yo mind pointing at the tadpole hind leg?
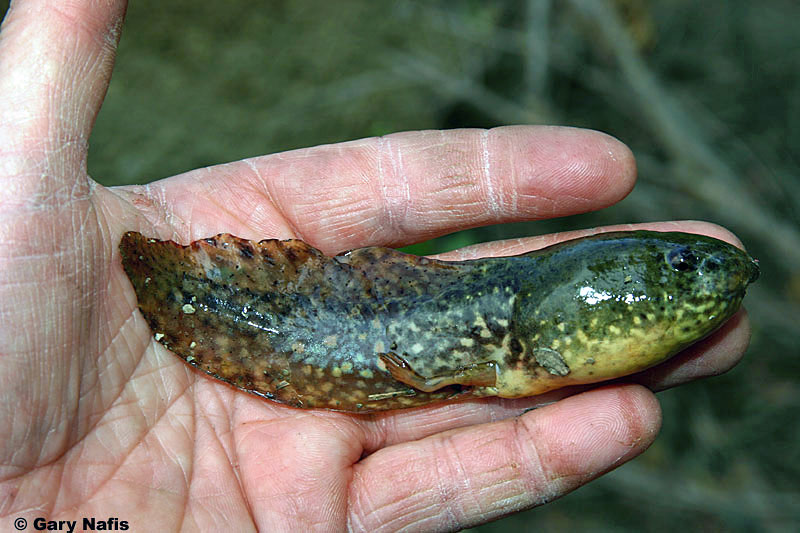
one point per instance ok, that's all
(475, 375)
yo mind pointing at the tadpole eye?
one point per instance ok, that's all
(682, 259)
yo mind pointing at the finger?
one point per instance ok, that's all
(712, 356)
(296, 469)
(392, 427)
(55, 63)
(469, 476)
(402, 188)
(527, 244)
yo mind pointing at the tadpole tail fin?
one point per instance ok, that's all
(270, 262)
(195, 299)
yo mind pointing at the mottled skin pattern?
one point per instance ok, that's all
(376, 329)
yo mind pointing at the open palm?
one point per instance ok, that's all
(101, 421)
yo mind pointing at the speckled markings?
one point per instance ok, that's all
(375, 329)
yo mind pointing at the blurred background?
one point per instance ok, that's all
(707, 94)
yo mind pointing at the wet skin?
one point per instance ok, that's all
(375, 329)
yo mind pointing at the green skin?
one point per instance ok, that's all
(376, 329)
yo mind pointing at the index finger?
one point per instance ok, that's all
(402, 188)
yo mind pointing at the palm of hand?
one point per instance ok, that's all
(102, 421)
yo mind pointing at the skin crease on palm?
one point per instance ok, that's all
(100, 420)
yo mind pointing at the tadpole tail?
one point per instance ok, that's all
(279, 318)
(195, 299)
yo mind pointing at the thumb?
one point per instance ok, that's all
(55, 64)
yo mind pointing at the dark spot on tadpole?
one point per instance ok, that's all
(393, 306)
(246, 250)
(266, 256)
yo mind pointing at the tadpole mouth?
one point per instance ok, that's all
(741, 271)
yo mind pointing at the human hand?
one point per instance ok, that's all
(102, 421)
